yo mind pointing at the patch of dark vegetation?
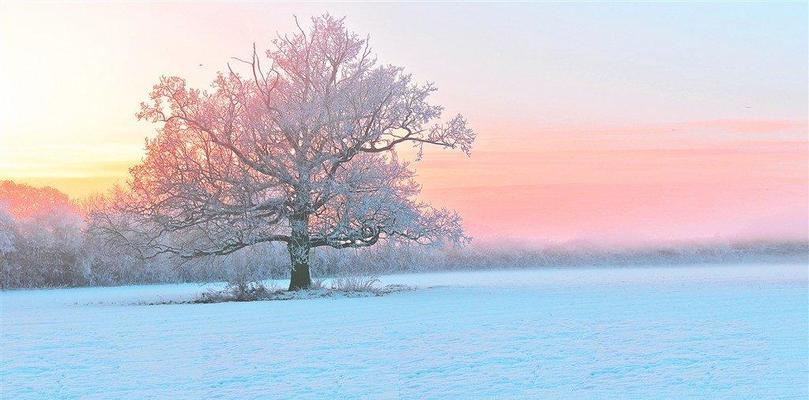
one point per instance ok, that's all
(256, 291)
(242, 291)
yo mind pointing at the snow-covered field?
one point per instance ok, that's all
(677, 332)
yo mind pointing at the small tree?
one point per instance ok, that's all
(300, 150)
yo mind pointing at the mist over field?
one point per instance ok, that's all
(45, 242)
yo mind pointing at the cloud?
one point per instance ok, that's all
(751, 126)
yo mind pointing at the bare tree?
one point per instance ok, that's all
(300, 149)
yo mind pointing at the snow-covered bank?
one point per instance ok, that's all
(673, 332)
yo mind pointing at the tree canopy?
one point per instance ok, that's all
(296, 146)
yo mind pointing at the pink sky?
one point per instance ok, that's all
(633, 194)
(605, 124)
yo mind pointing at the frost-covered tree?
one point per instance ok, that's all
(40, 237)
(301, 148)
(7, 232)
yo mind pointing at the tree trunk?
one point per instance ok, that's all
(298, 248)
(299, 257)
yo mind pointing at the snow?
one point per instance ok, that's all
(657, 332)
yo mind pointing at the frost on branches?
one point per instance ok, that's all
(299, 148)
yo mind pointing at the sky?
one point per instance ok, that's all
(596, 123)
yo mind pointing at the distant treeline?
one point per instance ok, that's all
(44, 242)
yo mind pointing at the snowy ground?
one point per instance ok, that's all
(679, 332)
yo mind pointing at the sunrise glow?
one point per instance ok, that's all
(657, 124)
